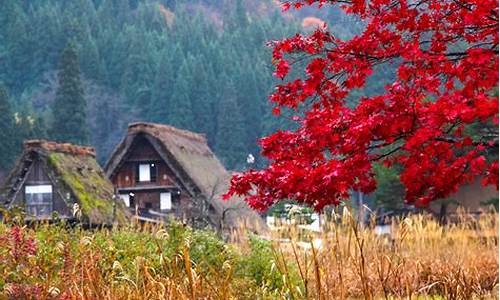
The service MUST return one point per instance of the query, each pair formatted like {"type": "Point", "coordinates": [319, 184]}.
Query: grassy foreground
{"type": "Point", "coordinates": [420, 260]}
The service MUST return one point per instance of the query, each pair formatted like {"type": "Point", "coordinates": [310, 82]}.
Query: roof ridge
{"type": "Point", "coordinates": [52, 146]}
{"type": "Point", "coordinates": [200, 137]}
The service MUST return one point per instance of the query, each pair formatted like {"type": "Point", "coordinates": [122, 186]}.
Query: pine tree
{"type": "Point", "coordinates": [126, 46]}
{"type": "Point", "coordinates": [39, 128]}
{"type": "Point", "coordinates": [238, 19]}
{"type": "Point", "coordinates": [70, 107]}
{"type": "Point", "coordinates": [390, 191]}
{"type": "Point", "coordinates": [29, 126]}
{"type": "Point", "coordinates": [89, 59]}
{"type": "Point", "coordinates": [202, 99]}
{"type": "Point", "coordinates": [113, 48]}
{"type": "Point", "coordinates": [138, 75]}
{"type": "Point", "coordinates": [229, 142]}
{"type": "Point", "coordinates": [16, 40]}
{"type": "Point", "coordinates": [250, 98]}
{"type": "Point", "coordinates": [114, 10]}
{"type": "Point", "coordinates": [211, 81]}
{"type": "Point", "coordinates": [7, 132]}
{"type": "Point", "coordinates": [103, 126]}
{"type": "Point", "coordinates": [49, 42]}
{"type": "Point", "coordinates": [162, 89]}
{"type": "Point", "coordinates": [181, 110]}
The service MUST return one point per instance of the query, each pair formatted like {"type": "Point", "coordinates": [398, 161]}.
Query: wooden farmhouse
{"type": "Point", "coordinates": [160, 171]}
{"type": "Point", "coordinates": [63, 180]}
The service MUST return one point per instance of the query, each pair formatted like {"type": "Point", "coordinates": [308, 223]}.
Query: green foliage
{"type": "Point", "coordinates": [59, 261]}
{"type": "Point", "coordinates": [493, 202]}
{"type": "Point", "coordinates": [230, 129]}
{"type": "Point", "coordinates": [7, 131]}
{"type": "Point", "coordinates": [180, 109]}
{"type": "Point", "coordinates": [14, 128]}
{"type": "Point", "coordinates": [202, 95]}
{"type": "Point", "coordinates": [169, 68]}
{"type": "Point", "coordinates": [69, 108]}
{"type": "Point", "coordinates": [260, 265]}
{"type": "Point", "coordinates": [162, 88]}
{"type": "Point", "coordinates": [116, 253]}
{"type": "Point", "coordinates": [29, 126]}
{"type": "Point", "coordinates": [290, 210]}
{"type": "Point", "coordinates": [390, 191]}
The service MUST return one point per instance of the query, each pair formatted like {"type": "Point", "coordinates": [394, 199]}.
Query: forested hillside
{"type": "Point", "coordinates": [199, 65]}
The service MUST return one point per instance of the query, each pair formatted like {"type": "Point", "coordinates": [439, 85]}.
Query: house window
{"type": "Point", "coordinates": [152, 171]}
{"type": "Point", "coordinates": [126, 199]}
{"type": "Point", "coordinates": [165, 201]}
{"type": "Point", "coordinates": [146, 172]}
{"type": "Point", "coordinates": [38, 199]}
{"type": "Point", "coordinates": [131, 197]}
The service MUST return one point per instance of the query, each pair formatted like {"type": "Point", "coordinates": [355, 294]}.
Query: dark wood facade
{"type": "Point", "coordinates": [171, 172]}
{"type": "Point", "coordinates": [38, 174]}
{"type": "Point", "coordinates": [144, 197]}
{"type": "Point", "coordinates": [142, 152]}
{"type": "Point", "coordinates": [64, 180]}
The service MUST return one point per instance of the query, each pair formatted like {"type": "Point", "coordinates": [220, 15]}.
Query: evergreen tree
{"type": "Point", "coordinates": [7, 131]}
{"type": "Point", "coordinates": [87, 10]}
{"type": "Point", "coordinates": [113, 48]}
{"type": "Point", "coordinates": [174, 74]}
{"type": "Point", "coordinates": [229, 143]}
{"type": "Point", "coordinates": [162, 89]}
{"type": "Point", "coordinates": [89, 59]}
{"type": "Point", "coordinates": [238, 20]}
{"type": "Point", "coordinates": [114, 11]}
{"type": "Point", "coordinates": [46, 28]}
{"type": "Point", "coordinates": [29, 126]}
{"type": "Point", "coordinates": [253, 101]}
{"type": "Point", "coordinates": [106, 125]}
{"type": "Point", "coordinates": [69, 108]}
{"type": "Point", "coordinates": [390, 192]}
{"type": "Point", "coordinates": [210, 82]}
{"type": "Point", "coordinates": [202, 99]}
{"type": "Point", "coordinates": [16, 39]}
{"type": "Point", "coordinates": [138, 75]}
{"type": "Point", "coordinates": [181, 110]}
{"type": "Point", "coordinates": [39, 128]}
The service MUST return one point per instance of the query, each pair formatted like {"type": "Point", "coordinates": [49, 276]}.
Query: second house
{"type": "Point", "coordinates": [162, 171]}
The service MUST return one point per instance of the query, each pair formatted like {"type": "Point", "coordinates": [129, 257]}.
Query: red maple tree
{"type": "Point", "coordinates": [446, 52]}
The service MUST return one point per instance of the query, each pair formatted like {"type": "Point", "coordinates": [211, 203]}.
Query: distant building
{"type": "Point", "coordinates": [472, 198]}
{"type": "Point", "coordinates": [160, 171]}
{"type": "Point", "coordinates": [61, 179]}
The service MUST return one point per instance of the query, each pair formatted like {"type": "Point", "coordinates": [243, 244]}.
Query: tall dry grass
{"type": "Point", "coordinates": [421, 259]}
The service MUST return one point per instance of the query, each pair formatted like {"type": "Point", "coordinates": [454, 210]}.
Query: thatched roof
{"type": "Point", "coordinates": [75, 170]}
{"type": "Point", "coordinates": [197, 167]}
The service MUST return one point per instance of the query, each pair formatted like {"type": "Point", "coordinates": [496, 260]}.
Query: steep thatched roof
{"type": "Point", "coordinates": [75, 170]}
{"type": "Point", "coordinates": [197, 167]}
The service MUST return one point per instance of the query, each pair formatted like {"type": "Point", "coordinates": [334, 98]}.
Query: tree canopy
{"type": "Point", "coordinates": [7, 134]}
{"type": "Point", "coordinates": [434, 119]}
{"type": "Point", "coordinates": [70, 106]}
{"type": "Point", "coordinates": [163, 61]}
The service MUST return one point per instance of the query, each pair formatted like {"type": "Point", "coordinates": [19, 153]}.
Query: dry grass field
{"type": "Point", "coordinates": [419, 260]}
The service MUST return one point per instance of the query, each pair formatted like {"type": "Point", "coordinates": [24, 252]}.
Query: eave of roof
{"type": "Point", "coordinates": [188, 154]}
{"type": "Point", "coordinates": [79, 173]}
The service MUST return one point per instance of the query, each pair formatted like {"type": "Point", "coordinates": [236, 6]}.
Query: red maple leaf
{"type": "Point", "coordinates": [447, 52]}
